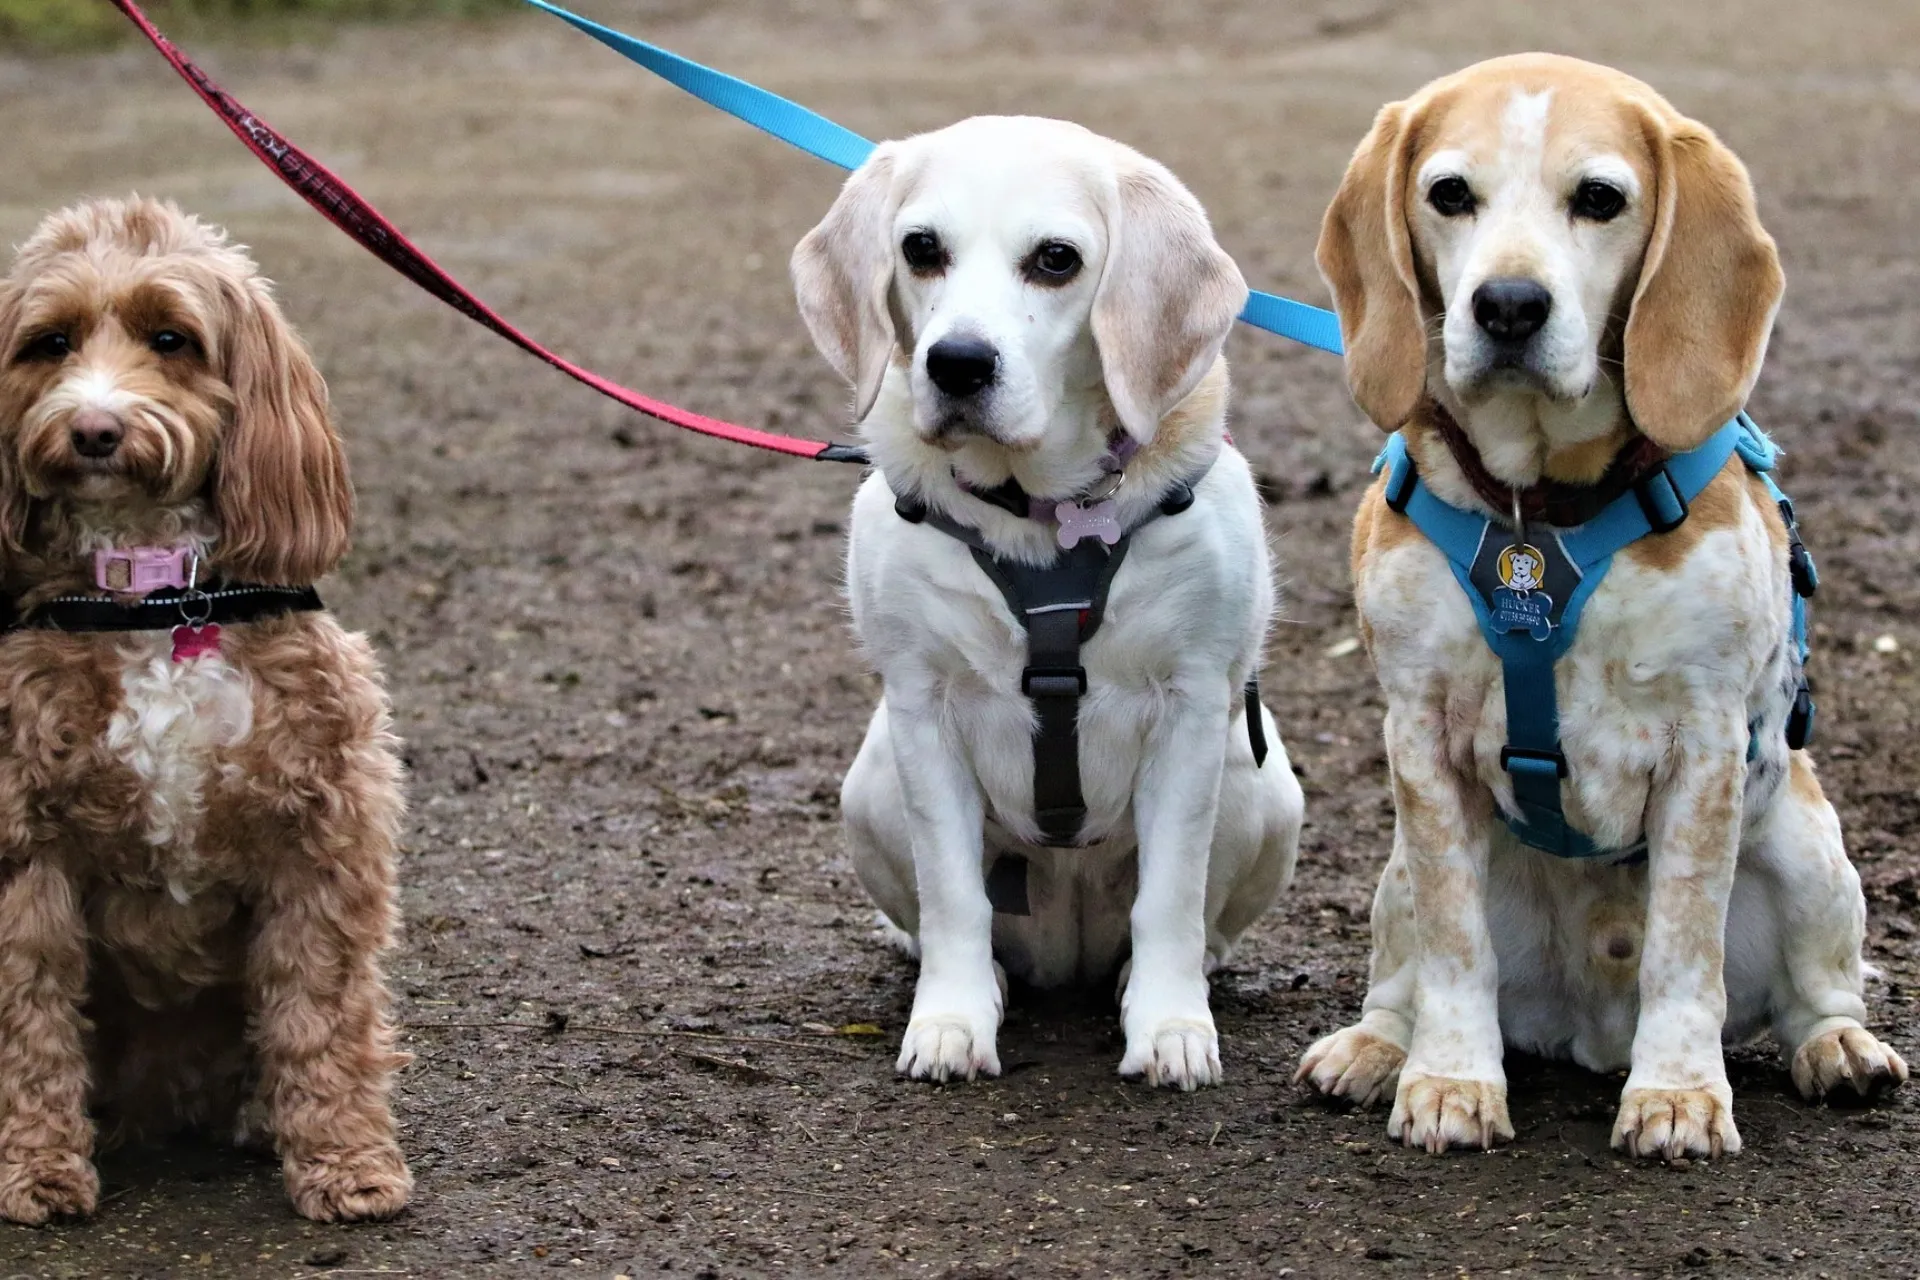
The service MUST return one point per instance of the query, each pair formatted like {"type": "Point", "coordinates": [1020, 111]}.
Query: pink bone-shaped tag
{"type": "Point", "coordinates": [1076, 522]}
{"type": "Point", "coordinates": [196, 642]}
{"type": "Point", "coordinates": [138, 570]}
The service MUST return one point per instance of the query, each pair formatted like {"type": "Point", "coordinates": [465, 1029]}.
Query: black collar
{"type": "Point", "coordinates": [163, 610]}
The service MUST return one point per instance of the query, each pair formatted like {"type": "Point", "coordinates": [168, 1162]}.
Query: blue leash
{"type": "Point", "coordinates": [818, 136]}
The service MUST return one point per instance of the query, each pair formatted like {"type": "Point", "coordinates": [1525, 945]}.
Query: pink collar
{"type": "Point", "coordinates": [138, 570]}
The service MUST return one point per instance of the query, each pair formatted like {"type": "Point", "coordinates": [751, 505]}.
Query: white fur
{"type": "Point", "coordinates": [172, 718]}
{"type": "Point", "coordinates": [1192, 843]}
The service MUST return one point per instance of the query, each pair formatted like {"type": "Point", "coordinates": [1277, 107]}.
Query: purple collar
{"type": "Point", "coordinates": [1089, 515]}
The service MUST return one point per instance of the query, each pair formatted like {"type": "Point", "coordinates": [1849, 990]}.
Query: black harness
{"type": "Point", "coordinates": [217, 602]}
{"type": "Point", "coordinates": [1060, 606]}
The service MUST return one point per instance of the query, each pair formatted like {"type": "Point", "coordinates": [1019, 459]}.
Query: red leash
{"type": "Point", "coordinates": [349, 211]}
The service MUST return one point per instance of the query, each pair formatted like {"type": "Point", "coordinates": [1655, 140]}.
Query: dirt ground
{"type": "Point", "coordinates": [637, 966]}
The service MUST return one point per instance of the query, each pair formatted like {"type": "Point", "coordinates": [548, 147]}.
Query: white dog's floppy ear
{"type": "Point", "coordinates": [1708, 290]}
{"type": "Point", "coordinates": [842, 273]}
{"type": "Point", "coordinates": [280, 484]}
{"type": "Point", "coordinates": [1366, 256]}
{"type": "Point", "coordinates": [1167, 298]}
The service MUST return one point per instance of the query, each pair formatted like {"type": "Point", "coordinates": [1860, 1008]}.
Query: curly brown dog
{"type": "Point", "coordinates": [199, 792]}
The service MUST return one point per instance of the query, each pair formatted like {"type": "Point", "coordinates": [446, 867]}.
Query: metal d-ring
{"type": "Point", "coordinates": [202, 603]}
{"type": "Point", "coordinates": [1107, 487]}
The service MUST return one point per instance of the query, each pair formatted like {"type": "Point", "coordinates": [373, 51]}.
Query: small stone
{"type": "Point", "coordinates": [1886, 644]}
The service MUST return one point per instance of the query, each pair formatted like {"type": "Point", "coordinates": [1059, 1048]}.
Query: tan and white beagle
{"type": "Point", "coordinates": [1548, 280]}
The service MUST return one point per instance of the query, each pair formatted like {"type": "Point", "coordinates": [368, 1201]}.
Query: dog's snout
{"type": "Point", "coordinates": [962, 366]}
{"type": "Point", "coordinates": [96, 433]}
{"type": "Point", "coordinates": [1511, 309]}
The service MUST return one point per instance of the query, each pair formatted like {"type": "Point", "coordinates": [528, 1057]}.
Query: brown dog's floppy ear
{"type": "Point", "coordinates": [1167, 298]}
{"type": "Point", "coordinates": [1709, 287]}
{"type": "Point", "coordinates": [842, 273]}
{"type": "Point", "coordinates": [14, 502]}
{"type": "Point", "coordinates": [1366, 255]}
{"type": "Point", "coordinates": [280, 487]}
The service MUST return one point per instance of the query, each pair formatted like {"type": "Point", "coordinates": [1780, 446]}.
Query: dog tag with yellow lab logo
{"type": "Point", "coordinates": [1525, 582]}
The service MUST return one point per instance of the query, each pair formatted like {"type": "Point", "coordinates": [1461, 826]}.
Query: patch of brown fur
{"type": "Point", "coordinates": [262, 990]}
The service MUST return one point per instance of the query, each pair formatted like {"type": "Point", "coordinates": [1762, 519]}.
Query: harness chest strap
{"type": "Point", "coordinates": [1060, 606]}
{"type": "Point", "coordinates": [1530, 627]}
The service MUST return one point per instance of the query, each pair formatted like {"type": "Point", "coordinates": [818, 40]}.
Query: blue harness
{"type": "Point", "coordinates": [1529, 586]}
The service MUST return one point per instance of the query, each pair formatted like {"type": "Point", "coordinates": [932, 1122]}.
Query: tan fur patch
{"type": "Point", "coordinates": [1721, 505]}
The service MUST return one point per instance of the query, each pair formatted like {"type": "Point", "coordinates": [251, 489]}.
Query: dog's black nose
{"type": "Point", "coordinates": [961, 366]}
{"type": "Point", "coordinates": [96, 434]}
{"type": "Point", "coordinates": [1511, 309]}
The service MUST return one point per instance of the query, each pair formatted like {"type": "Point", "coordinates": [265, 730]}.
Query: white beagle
{"type": "Point", "coordinates": [1032, 318]}
{"type": "Point", "coordinates": [1557, 290]}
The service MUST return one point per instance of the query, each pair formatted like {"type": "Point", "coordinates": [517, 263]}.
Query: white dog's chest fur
{"type": "Point", "coordinates": [173, 720]}
{"type": "Point", "coordinates": [1177, 605]}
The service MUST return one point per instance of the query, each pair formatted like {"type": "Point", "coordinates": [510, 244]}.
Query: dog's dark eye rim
{"type": "Point", "coordinates": [1450, 196]}
{"type": "Point", "coordinates": [1053, 262]}
{"type": "Point", "coordinates": [169, 342]}
{"type": "Point", "coordinates": [53, 345]}
{"type": "Point", "coordinates": [1598, 201]}
{"type": "Point", "coordinates": [923, 251]}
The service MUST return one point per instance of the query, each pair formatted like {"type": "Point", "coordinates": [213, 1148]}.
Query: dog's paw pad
{"type": "Point", "coordinates": [1674, 1124]}
{"type": "Point", "coordinates": [1847, 1059]}
{"type": "Point", "coordinates": [1353, 1063]}
{"type": "Point", "coordinates": [352, 1186]}
{"type": "Point", "coordinates": [1435, 1113]}
{"type": "Point", "coordinates": [943, 1047]}
{"type": "Point", "coordinates": [1180, 1053]}
{"type": "Point", "coordinates": [38, 1185]}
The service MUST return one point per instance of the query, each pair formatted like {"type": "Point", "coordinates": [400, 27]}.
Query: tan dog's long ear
{"type": "Point", "coordinates": [1366, 255]}
{"type": "Point", "coordinates": [1167, 298]}
{"type": "Point", "coordinates": [1709, 287]}
{"type": "Point", "coordinates": [280, 487]}
{"type": "Point", "coordinates": [842, 273]}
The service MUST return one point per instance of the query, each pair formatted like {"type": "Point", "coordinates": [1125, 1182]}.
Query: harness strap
{"type": "Point", "coordinates": [1060, 606]}
{"type": "Point", "coordinates": [1529, 643]}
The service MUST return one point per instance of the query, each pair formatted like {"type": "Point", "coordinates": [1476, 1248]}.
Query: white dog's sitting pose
{"type": "Point", "coordinates": [1060, 571]}
{"type": "Point", "coordinates": [1557, 290]}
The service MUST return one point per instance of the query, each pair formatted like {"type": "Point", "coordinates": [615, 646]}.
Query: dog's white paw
{"type": "Point", "coordinates": [1434, 1113]}
{"type": "Point", "coordinates": [1181, 1053]}
{"type": "Point", "coordinates": [1846, 1058]}
{"type": "Point", "coordinates": [949, 1046]}
{"type": "Point", "coordinates": [1669, 1124]}
{"type": "Point", "coordinates": [1353, 1063]}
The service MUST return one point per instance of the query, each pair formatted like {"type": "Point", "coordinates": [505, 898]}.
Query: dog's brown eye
{"type": "Point", "coordinates": [1053, 263]}
{"type": "Point", "coordinates": [1600, 201]}
{"type": "Point", "coordinates": [169, 341]}
{"type": "Point", "coordinates": [1451, 197]}
{"type": "Point", "coordinates": [48, 346]}
{"type": "Point", "coordinates": [923, 251]}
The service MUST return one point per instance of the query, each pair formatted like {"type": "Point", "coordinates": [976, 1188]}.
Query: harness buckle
{"type": "Point", "coordinates": [1800, 719]}
{"type": "Point", "coordinates": [1661, 501]}
{"type": "Point", "coordinates": [1054, 682]}
{"type": "Point", "coordinates": [1806, 578]}
{"type": "Point", "coordinates": [1527, 760]}
{"type": "Point", "coordinates": [909, 510]}
{"type": "Point", "coordinates": [1401, 481]}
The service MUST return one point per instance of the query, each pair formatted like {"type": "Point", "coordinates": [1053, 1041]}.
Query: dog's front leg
{"type": "Point", "coordinates": [1453, 1088]}
{"type": "Point", "coordinates": [1677, 1101]}
{"type": "Point", "coordinates": [957, 1000]}
{"type": "Point", "coordinates": [1170, 1033]}
{"type": "Point", "coordinates": [46, 1140]}
{"type": "Point", "coordinates": [320, 1023]}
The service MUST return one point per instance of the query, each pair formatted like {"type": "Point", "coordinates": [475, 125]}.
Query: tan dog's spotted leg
{"type": "Point", "coordinates": [1818, 990]}
{"type": "Point", "coordinates": [1453, 1089]}
{"type": "Point", "coordinates": [1677, 1102]}
{"type": "Point", "coordinates": [1362, 1063]}
{"type": "Point", "coordinates": [46, 1140]}
{"type": "Point", "coordinates": [322, 1032]}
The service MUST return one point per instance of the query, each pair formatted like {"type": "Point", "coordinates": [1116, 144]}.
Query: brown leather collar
{"type": "Point", "coordinates": [1553, 502]}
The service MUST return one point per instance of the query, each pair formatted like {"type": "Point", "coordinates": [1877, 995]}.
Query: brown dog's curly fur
{"type": "Point", "coordinates": [196, 858]}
